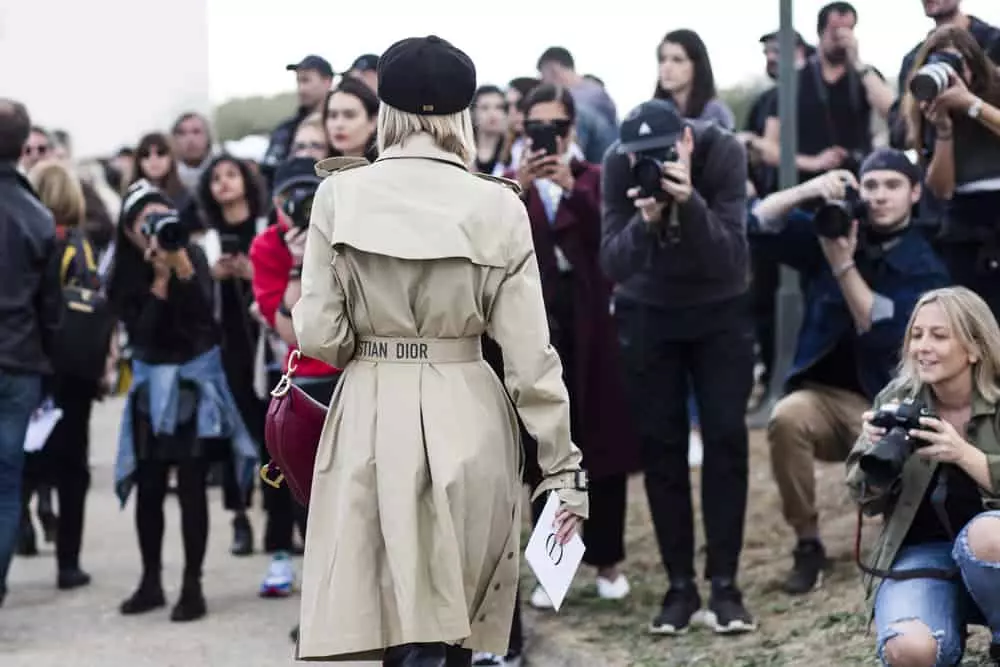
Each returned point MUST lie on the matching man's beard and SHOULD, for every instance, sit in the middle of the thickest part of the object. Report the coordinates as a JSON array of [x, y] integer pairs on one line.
[[773, 70], [944, 16], [836, 55]]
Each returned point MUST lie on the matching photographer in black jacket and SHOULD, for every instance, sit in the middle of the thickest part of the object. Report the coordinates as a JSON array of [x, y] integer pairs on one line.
[[30, 310], [674, 242]]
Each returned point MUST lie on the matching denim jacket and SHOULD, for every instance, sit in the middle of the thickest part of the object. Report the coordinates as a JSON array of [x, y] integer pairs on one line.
[[907, 268], [217, 414], [898, 505]]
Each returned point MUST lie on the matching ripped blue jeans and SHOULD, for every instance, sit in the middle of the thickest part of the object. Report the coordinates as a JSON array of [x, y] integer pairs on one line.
[[946, 607]]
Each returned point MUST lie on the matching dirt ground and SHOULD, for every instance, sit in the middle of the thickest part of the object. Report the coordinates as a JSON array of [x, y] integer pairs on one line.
[[827, 627]]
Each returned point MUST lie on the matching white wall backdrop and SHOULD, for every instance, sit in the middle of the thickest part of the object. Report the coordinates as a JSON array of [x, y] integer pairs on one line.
[[104, 70]]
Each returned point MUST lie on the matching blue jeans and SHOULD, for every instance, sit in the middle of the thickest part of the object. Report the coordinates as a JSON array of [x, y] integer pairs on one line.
[[19, 396], [946, 607]]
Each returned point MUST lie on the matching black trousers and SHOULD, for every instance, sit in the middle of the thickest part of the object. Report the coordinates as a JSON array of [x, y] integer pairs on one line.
[[151, 491], [764, 289], [658, 366], [437, 654], [67, 461]]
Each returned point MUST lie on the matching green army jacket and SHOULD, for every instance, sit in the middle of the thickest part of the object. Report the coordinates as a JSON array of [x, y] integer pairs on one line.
[[898, 505]]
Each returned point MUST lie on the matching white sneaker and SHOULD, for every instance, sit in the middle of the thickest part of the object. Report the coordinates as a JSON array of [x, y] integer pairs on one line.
[[696, 452], [540, 599], [613, 590], [280, 577]]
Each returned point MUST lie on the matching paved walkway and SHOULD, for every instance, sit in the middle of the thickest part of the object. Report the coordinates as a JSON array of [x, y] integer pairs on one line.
[[43, 627]]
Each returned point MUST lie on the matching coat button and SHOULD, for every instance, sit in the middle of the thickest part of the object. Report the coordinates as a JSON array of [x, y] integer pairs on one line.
[[496, 587], [482, 619], [510, 555]]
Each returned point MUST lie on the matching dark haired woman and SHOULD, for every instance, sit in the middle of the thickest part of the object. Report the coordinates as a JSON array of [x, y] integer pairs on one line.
[[562, 194], [686, 78], [489, 121], [957, 136], [231, 205], [155, 162], [349, 116], [178, 398]]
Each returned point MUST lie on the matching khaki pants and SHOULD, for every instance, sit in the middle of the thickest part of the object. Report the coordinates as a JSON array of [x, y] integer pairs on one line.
[[815, 422]]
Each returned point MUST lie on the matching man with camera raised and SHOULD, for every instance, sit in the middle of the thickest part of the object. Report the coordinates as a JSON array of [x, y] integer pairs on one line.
[[674, 242], [865, 268]]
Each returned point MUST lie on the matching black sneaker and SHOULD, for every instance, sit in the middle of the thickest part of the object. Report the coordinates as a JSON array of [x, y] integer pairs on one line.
[[242, 536], [726, 613], [807, 572], [680, 604]]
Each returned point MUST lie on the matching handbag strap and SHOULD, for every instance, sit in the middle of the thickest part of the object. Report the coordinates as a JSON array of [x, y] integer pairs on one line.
[[285, 383]]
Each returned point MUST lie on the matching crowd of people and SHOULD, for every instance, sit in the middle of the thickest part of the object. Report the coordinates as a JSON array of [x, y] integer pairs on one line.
[[186, 277]]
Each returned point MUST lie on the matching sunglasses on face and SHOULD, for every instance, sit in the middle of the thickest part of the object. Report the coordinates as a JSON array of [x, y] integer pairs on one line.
[[560, 126], [34, 150], [308, 146], [154, 151]]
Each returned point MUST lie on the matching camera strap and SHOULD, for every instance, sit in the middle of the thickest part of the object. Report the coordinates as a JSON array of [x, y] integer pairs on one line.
[[937, 501]]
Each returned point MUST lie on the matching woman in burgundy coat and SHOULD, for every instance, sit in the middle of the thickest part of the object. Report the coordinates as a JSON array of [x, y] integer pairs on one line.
[[562, 193]]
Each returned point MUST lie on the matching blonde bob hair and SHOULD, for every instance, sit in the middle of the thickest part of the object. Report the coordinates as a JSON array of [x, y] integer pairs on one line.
[[60, 192], [452, 133], [973, 326]]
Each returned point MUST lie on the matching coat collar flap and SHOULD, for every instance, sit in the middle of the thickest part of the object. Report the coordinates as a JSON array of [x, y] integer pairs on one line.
[[417, 209]]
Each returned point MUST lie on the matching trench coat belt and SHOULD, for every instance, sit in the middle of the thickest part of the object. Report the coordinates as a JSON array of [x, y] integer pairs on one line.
[[418, 350]]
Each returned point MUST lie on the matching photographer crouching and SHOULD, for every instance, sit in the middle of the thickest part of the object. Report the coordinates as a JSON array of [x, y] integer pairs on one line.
[[929, 462], [864, 267], [674, 242], [161, 288]]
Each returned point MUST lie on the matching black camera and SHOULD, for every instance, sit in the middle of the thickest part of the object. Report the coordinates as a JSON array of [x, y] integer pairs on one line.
[[298, 205], [230, 244], [833, 218], [167, 229], [884, 461], [648, 171], [935, 76]]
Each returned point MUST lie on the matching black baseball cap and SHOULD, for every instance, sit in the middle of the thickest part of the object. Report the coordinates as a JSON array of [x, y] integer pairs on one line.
[[313, 62], [427, 76], [293, 172], [652, 124], [364, 63], [890, 159]]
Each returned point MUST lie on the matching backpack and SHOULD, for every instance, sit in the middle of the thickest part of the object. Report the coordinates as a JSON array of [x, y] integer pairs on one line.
[[80, 345]]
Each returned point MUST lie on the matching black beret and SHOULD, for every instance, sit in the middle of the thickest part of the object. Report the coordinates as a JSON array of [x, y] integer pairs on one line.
[[426, 76]]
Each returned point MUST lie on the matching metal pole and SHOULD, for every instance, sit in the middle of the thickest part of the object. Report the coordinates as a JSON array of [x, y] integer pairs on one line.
[[789, 301]]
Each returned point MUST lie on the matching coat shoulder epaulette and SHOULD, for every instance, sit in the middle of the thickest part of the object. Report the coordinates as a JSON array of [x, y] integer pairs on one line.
[[332, 165], [513, 185]]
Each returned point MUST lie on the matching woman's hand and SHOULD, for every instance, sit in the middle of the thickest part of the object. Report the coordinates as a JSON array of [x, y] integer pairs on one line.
[[955, 98], [871, 432], [945, 444], [223, 268], [528, 170], [242, 268], [158, 258], [295, 240], [567, 524], [938, 116]]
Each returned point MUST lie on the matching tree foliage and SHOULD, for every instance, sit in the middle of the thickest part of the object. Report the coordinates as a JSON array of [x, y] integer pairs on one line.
[[259, 115], [252, 115]]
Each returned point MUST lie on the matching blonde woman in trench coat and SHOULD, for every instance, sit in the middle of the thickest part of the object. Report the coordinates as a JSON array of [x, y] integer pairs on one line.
[[413, 545]]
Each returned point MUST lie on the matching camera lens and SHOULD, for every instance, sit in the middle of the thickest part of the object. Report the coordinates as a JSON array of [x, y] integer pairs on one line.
[[930, 81], [884, 463], [647, 173]]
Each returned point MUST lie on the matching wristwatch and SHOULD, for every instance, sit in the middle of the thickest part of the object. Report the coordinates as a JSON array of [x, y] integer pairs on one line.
[[976, 108]]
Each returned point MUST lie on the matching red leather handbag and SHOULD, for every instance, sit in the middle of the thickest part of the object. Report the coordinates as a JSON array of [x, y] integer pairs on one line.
[[291, 433]]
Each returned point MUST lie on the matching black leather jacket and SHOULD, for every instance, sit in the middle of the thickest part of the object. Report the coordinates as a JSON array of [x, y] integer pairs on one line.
[[30, 293]]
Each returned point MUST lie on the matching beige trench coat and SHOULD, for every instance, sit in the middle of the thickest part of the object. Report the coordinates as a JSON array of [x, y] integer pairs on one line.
[[414, 520]]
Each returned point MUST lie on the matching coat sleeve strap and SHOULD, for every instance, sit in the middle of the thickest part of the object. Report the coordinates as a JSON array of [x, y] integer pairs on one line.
[[513, 185], [332, 165]]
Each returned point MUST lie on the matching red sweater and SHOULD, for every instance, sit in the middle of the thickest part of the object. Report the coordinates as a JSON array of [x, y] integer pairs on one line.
[[271, 263]]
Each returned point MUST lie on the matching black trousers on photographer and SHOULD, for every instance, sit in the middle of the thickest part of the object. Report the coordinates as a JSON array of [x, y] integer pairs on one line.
[[712, 344]]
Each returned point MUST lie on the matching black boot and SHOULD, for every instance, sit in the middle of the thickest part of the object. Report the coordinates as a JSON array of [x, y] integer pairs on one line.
[[26, 543], [417, 655], [147, 597], [242, 536], [191, 604], [72, 578]]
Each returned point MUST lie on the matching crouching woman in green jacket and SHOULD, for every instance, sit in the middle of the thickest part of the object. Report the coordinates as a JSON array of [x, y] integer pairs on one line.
[[929, 462]]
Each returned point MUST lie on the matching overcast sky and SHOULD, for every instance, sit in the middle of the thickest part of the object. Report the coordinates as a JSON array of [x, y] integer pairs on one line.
[[250, 42]]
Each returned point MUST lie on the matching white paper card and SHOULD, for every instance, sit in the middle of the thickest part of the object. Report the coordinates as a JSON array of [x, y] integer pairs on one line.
[[554, 564], [43, 420]]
